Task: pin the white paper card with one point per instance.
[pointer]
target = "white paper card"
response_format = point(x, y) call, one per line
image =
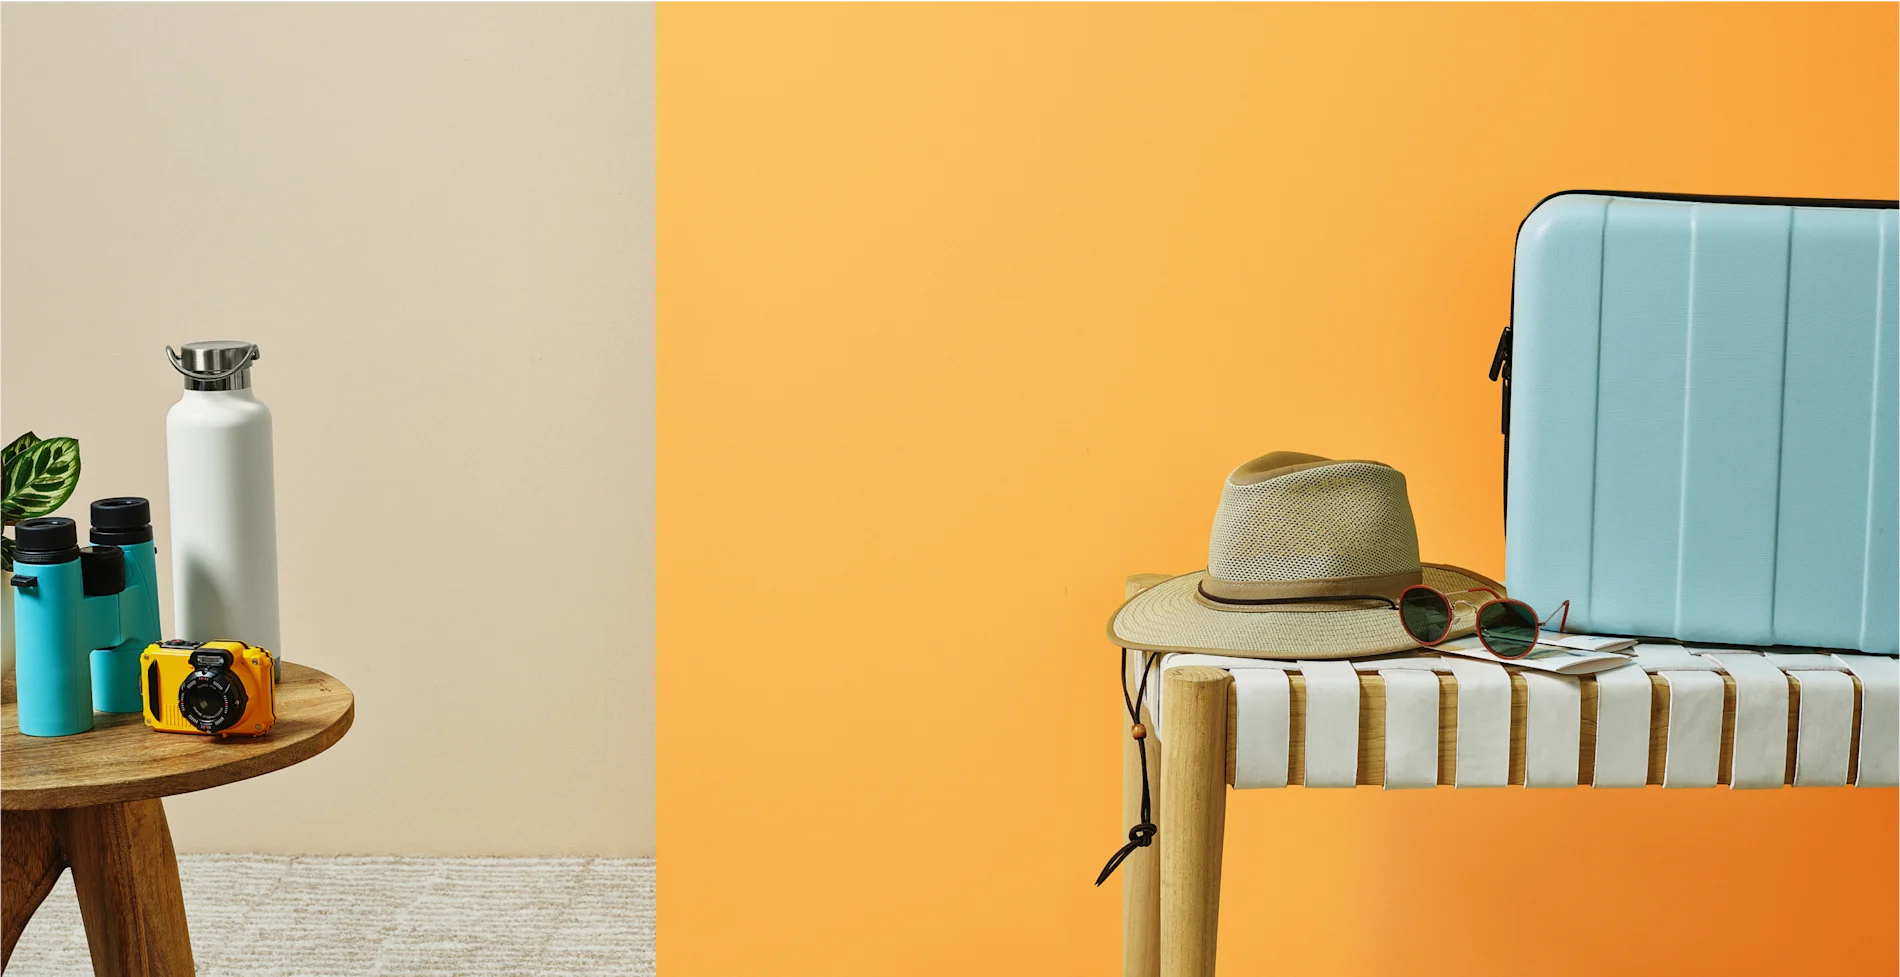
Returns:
point(1825, 733)
point(1585, 642)
point(1411, 728)
point(1553, 724)
point(1623, 700)
point(1262, 710)
point(1484, 723)
point(1332, 723)
point(1543, 658)
point(1759, 760)
point(1879, 719)
point(1695, 728)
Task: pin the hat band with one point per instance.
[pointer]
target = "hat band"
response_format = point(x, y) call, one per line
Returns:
point(1389, 585)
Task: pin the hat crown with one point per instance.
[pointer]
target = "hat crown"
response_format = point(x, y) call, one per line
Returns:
point(1286, 517)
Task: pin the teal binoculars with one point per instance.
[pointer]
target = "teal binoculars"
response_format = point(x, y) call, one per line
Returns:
point(82, 617)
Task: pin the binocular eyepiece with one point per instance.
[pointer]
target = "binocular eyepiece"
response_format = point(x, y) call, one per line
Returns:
point(48, 539)
point(82, 616)
point(122, 520)
point(55, 539)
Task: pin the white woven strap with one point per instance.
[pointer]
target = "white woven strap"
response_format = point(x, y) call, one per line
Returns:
point(1759, 760)
point(1792, 661)
point(1695, 728)
point(1484, 722)
point(1171, 660)
point(1879, 719)
point(1332, 723)
point(1622, 755)
point(1417, 663)
point(1671, 658)
point(1824, 743)
point(1262, 719)
point(1553, 722)
point(1411, 728)
point(1824, 735)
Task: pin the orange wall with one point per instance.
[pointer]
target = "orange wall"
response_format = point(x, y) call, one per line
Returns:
point(965, 312)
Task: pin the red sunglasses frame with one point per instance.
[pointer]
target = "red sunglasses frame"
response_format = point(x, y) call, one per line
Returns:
point(1452, 612)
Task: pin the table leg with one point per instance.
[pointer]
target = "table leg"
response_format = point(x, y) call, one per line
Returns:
point(30, 862)
point(126, 876)
point(1193, 817)
point(1141, 871)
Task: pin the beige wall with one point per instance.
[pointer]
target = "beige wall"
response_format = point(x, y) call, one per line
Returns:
point(436, 220)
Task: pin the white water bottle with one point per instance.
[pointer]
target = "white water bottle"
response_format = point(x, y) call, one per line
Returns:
point(223, 501)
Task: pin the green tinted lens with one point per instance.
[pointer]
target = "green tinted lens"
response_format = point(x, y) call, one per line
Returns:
point(1508, 628)
point(1426, 614)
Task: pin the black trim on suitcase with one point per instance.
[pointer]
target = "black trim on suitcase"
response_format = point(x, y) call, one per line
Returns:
point(1501, 359)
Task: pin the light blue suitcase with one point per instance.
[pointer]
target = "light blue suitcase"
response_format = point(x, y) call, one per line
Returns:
point(1700, 418)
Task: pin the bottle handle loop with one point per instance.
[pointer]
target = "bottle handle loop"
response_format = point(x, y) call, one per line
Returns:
point(190, 374)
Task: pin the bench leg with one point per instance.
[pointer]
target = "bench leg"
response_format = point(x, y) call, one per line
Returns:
point(1193, 817)
point(1141, 872)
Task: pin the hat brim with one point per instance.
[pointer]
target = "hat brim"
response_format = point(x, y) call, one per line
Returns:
point(1168, 617)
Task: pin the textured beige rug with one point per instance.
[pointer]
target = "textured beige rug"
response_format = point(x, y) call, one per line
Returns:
point(284, 916)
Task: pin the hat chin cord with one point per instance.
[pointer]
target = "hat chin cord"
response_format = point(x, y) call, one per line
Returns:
point(1143, 834)
point(1201, 589)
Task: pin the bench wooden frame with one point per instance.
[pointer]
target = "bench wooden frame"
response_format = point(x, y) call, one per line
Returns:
point(1171, 890)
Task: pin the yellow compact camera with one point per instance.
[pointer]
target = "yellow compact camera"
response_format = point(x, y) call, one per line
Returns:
point(214, 688)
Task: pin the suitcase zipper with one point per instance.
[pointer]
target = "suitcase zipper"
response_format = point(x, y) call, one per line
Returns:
point(1501, 373)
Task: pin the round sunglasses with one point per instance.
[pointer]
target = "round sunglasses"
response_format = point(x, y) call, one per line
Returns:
point(1508, 628)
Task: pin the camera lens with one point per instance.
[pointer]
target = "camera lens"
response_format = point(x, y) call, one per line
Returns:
point(212, 699)
point(205, 703)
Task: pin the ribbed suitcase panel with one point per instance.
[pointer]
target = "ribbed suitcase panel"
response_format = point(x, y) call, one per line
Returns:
point(1833, 306)
point(1552, 473)
point(1731, 468)
point(1643, 341)
point(1880, 606)
point(1704, 420)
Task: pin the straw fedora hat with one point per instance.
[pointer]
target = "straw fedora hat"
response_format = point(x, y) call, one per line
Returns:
point(1306, 553)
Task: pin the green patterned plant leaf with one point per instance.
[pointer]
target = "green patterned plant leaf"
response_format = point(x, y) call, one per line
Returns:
point(21, 443)
point(41, 478)
point(6, 556)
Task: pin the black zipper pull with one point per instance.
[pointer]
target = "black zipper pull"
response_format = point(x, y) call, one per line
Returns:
point(1501, 360)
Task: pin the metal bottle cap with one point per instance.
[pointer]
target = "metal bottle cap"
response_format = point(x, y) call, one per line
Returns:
point(215, 364)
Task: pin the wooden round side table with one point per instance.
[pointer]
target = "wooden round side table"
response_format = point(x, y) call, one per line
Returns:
point(91, 802)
